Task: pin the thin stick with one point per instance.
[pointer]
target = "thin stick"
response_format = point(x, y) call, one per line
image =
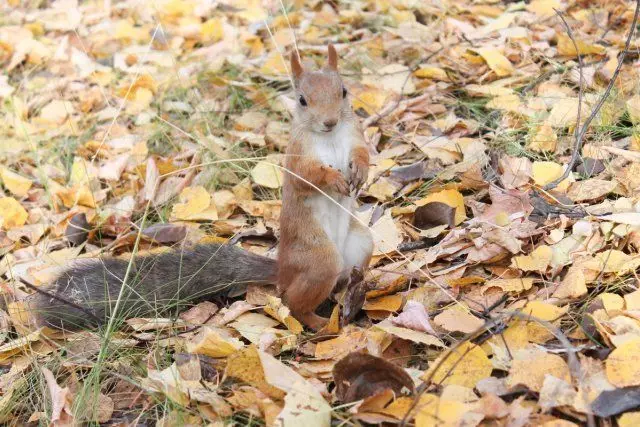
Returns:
point(580, 136)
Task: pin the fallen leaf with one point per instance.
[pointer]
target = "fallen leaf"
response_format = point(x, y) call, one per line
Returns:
point(456, 319)
point(360, 375)
point(12, 214)
point(15, 183)
point(434, 214)
point(509, 285)
point(590, 189)
point(538, 261)
point(465, 365)
point(566, 47)
point(621, 367)
point(414, 316)
point(451, 198)
point(386, 236)
point(214, 342)
point(530, 366)
point(267, 175)
point(195, 204)
point(496, 61)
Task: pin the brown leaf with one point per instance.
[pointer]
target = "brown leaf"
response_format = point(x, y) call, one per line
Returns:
point(433, 214)
point(360, 375)
point(77, 229)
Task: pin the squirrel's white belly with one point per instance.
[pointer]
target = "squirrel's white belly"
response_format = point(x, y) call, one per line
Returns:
point(334, 213)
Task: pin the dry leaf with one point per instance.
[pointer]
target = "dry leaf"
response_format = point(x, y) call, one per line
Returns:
point(465, 365)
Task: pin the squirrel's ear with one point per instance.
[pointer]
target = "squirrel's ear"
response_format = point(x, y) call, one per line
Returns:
point(332, 63)
point(296, 66)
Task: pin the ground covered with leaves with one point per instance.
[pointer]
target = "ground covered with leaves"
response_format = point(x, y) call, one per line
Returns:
point(496, 296)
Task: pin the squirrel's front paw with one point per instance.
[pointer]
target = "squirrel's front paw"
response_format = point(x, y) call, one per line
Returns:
point(359, 174)
point(336, 181)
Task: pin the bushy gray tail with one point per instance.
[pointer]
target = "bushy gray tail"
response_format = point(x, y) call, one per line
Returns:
point(85, 295)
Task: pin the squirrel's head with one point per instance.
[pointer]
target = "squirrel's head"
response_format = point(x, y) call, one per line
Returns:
point(321, 98)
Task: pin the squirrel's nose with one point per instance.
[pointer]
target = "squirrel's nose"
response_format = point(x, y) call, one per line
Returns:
point(329, 124)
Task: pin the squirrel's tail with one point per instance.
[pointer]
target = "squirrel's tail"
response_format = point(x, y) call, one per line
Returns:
point(87, 294)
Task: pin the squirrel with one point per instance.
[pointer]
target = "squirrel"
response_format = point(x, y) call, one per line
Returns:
point(320, 242)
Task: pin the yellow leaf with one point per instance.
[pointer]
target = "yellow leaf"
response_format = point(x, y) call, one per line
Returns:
point(451, 198)
point(57, 111)
point(432, 72)
point(564, 113)
point(633, 109)
point(546, 172)
point(267, 175)
point(79, 173)
point(505, 102)
point(536, 332)
point(350, 340)
point(435, 412)
point(574, 284)
point(545, 139)
point(383, 189)
point(145, 81)
point(538, 260)
point(632, 300)
point(509, 285)
point(274, 65)
point(140, 102)
point(245, 365)
point(250, 10)
point(488, 90)
point(386, 235)
point(12, 214)
point(127, 32)
point(278, 311)
point(195, 205)
point(15, 183)
point(544, 8)
point(465, 366)
point(611, 302)
point(629, 419)
point(390, 303)
point(212, 30)
point(622, 367)
point(214, 342)
point(17, 345)
point(566, 47)
point(455, 319)
point(611, 261)
point(530, 366)
point(371, 100)
point(496, 61)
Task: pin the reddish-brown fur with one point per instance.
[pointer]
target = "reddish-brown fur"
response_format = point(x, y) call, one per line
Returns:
point(309, 263)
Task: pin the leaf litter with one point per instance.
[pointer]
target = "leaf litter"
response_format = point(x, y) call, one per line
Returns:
point(134, 128)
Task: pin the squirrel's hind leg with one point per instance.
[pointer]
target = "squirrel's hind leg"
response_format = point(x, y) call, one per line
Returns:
point(305, 291)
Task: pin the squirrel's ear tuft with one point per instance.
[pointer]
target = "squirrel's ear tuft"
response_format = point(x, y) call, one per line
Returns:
point(332, 63)
point(296, 65)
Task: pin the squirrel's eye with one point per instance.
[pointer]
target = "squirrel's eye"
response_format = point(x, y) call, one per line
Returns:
point(344, 93)
point(303, 101)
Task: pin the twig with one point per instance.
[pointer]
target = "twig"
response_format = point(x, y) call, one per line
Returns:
point(580, 136)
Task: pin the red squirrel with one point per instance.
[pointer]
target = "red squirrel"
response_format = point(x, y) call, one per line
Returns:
point(320, 241)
